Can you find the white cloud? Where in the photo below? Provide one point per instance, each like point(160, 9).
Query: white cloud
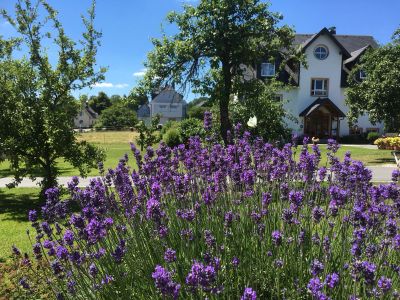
point(110, 85)
point(140, 73)
point(121, 85)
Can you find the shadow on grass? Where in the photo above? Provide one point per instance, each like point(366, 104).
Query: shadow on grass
point(383, 160)
point(17, 202)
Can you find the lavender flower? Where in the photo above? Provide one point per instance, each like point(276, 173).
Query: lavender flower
point(164, 283)
point(384, 284)
point(276, 237)
point(170, 255)
point(249, 294)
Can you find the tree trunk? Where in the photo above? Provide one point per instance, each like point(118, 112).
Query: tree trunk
point(50, 177)
point(224, 101)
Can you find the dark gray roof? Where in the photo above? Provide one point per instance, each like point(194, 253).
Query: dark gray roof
point(169, 95)
point(350, 42)
point(143, 111)
point(91, 112)
point(321, 102)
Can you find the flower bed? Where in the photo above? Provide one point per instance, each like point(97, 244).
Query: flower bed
point(246, 221)
point(388, 143)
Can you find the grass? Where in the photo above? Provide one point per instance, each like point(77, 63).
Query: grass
point(369, 157)
point(114, 143)
point(14, 206)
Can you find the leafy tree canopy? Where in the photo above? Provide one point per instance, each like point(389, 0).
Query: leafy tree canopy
point(379, 93)
point(117, 116)
point(214, 41)
point(100, 102)
point(36, 106)
point(136, 98)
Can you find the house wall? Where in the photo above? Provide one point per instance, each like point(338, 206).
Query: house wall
point(168, 111)
point(84, 120)
point(300, 98)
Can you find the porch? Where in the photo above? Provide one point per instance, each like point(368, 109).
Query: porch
point(322, 119)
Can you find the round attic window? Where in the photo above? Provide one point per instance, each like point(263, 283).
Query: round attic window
point(321, 52)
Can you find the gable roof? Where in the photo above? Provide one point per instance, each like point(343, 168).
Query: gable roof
point(90, 111)
point(322, 102)
point(168, 95)
point(307, 42)
point(350, 43)
point(356, 54)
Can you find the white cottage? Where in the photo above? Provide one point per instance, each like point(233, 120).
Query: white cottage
point(85, 118)
point(169, 104)
point(317, 99)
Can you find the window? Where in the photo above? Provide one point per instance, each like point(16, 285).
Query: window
point(372, 130)
point(162, 106)
point(319, 87)
point(363, 75)
point(267, 70)
point(355, 130)
point(321, 52)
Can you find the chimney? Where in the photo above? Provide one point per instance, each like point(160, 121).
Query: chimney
point(332, 29)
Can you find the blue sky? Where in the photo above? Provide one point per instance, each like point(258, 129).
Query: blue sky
point(129, 25)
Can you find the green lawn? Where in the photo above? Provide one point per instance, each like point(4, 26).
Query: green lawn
point(367, 156)
point(14, 207)
point(115, 144)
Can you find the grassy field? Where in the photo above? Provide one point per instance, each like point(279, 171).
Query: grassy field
point(114, 143)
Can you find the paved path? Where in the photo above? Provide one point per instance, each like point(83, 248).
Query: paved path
point(26, 182)
point(379, 174)
point(371, 147)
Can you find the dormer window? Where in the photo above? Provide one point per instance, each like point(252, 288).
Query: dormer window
point(321, 52)
point(267, 70)
point(362, 75)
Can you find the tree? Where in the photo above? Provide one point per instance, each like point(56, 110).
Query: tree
point(115, 99)
point(136, 98)
point(379, 93)
point(260, 101)
point(215, 40)
point(148, 135)
point(36, 106)
point(100, 102)
point(117, 116)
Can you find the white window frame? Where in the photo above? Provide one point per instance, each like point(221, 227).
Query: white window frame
point(269, 69)
point(326, 49)
point(320, 92)
point(361, 73)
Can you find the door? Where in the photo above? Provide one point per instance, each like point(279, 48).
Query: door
point(318, 125)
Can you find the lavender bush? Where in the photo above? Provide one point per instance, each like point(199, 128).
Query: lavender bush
point(245, 221)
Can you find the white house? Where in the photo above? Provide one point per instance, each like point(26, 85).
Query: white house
point(317, 99)
point(169, 104)
point(85, 118)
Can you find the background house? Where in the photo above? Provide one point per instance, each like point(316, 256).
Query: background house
point(317, 98)
point(85, 118)
point(144, 113)
point(169, 104)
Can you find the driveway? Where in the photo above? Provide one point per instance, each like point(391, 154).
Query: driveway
point(371, 147)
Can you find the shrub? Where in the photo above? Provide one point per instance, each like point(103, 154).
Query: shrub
point(169, 124)
point(372, 137)
point(190, 127)
point(172, 137)
point(209, 221)
point(353, 139)
point(117, 116)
